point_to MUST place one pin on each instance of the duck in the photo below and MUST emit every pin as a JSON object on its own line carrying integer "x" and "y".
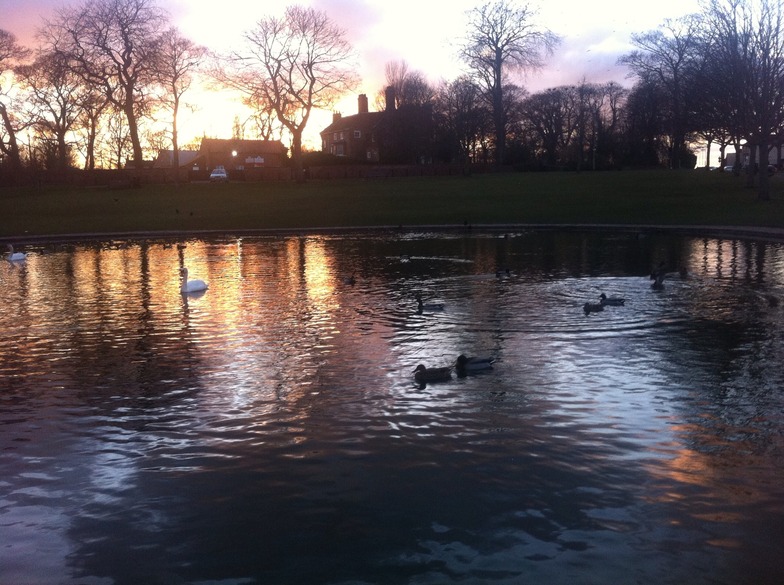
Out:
{"x": 592, "y": 308}
{"x": 15, "y": 256}
{"x": 425, "y": 374}
{"x": 657, "y": 276}
{"x": 473, "y": 364}
{"x": 421, "y": 306}
{"x": 611, "y": 301}
{"x": 190, "y": 286}
{"x": 350, "y": 280}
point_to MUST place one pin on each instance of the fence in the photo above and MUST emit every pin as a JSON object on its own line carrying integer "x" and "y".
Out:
{"x": 129, "y": 178}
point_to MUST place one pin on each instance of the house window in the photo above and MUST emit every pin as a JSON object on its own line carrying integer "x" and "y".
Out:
{"x": 342, "y": 136}
{"x": 357, "y": 133}
{"x": 335, "y": 136}
{"x": 370, "y": 155}
{"x": 337, "y": 150}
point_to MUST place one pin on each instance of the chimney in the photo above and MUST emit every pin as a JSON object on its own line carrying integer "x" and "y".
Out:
{"x": 336, "y": 116}
{"x": 363, "y": 104}
{"x": 390, "y": 98}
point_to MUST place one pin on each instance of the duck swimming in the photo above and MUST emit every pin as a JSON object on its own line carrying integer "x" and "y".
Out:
{"x": 657, "y": 276}
{"x": 611, "y": 301}
{"x": 421, "y": 307}
{"x": 473, "y": 364}
{"x": 424, "y": 374}
{"x": 592, "y": 308}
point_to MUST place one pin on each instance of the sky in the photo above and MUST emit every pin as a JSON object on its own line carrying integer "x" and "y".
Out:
{"x": 423, "y": 33}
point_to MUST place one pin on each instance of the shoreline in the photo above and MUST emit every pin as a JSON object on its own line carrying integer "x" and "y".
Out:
{"x": 715, "y": 231}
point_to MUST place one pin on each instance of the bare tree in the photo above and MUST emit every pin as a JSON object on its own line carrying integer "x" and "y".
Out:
{"x": 263, "y": 119}
{"x": 11, "y": 54}
{"x": 502, "y": 38}
{"x": 294, "y": 63}
{"x": 55, "y": 97}
{"x": 177, "y": 59}
{"x": 115, "y": 140}
{"x": 550, "y": 115}
{"x": 748, "y": 39}
{"x": 112, "y": 44}
{"x": 395, "y": 75}
{"x": 409, "y": 88}
{"x": 93, "y": 105}
{"x": 671, "y": 56}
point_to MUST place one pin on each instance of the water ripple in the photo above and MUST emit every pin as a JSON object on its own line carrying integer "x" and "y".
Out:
{"x": 270, "y": 430}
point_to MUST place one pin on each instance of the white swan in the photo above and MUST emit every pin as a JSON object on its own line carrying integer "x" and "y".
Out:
{"x": 15, "y": 256}
{"x": 190, "y": 286}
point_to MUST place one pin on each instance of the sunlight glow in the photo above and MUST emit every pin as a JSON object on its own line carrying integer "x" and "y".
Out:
{"x": 424, "y": 35}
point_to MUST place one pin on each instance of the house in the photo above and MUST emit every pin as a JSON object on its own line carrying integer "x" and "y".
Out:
{"x": 392, "y": 136}
{"x": 165, "y": 159}
{"x": 775, "y": 157}
{"x": 356, "y": 137}
{"x": 239, "y": 155}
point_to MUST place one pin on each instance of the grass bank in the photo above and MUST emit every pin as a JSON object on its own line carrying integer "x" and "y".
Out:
{"x": 624, "y": 197}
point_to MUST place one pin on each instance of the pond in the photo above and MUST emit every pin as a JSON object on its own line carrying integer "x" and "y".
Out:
{"x": 270, "y": 430}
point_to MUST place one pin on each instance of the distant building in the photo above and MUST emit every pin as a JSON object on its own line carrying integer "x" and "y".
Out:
{"x": 239, "y": 155}
{"x": 392, "y": 136}
{"x": 775, "y": 157}
{"x": 146, "y": 164}
{"x": 165, "y": 159}
{"x": 357, "y": 137}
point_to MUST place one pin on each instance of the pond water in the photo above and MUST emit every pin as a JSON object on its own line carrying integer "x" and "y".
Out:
{"x": 270, "y": 430}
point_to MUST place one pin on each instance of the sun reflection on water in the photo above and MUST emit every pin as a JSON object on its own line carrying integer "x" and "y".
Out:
{"x": 149, "y": 420}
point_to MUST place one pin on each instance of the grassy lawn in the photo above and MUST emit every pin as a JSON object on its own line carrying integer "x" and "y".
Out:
{"x": 632, "y": 197}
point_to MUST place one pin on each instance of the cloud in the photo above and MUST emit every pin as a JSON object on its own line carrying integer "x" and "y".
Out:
{"x": 23, "y": 19}
{"x": 357, "y": 17}
{"x": 592, "y": 56}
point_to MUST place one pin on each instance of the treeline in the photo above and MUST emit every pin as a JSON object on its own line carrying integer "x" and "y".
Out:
{"x": 101, "y": 71}
{"x": 106, "y": 74}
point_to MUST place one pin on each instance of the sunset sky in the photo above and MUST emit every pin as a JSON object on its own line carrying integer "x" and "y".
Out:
{"x": 423, "y": 33}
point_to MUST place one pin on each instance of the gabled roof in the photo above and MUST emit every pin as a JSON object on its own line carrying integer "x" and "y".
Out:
{"x": 364, "y": 121}
{"x": 243, "y": 146}
{"x": 165, "y": 158}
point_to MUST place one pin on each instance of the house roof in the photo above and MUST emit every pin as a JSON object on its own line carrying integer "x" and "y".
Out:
{"x": 242, "y": 146}
{"x": 364, "y": 121}
{"x": 165, "y": 158}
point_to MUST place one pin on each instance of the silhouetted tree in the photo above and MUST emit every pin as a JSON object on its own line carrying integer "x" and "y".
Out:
{"x": 293, "y": 63}
{"x": 747, "y": 42}
{"x": 502, "y": 38}
{"x": 463, "y": 121}
{"x": 408, "y": 88}
{"x": 93, "y": 105}
{"x": 112, "y": 44}
{"x": 55, "y": 98}
{"x": 671, "y": 57}
{"x": 176, "y": 60}
{"x": 551, "y": 116}
{"x": 11, "y": 54}
{"x": 644, "y": 125}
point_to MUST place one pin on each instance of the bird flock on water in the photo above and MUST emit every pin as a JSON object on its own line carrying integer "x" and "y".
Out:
{"x": 463, "y": 365}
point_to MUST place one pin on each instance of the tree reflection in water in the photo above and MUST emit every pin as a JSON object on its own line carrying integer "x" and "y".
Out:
{"x": 270, "y": 430}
